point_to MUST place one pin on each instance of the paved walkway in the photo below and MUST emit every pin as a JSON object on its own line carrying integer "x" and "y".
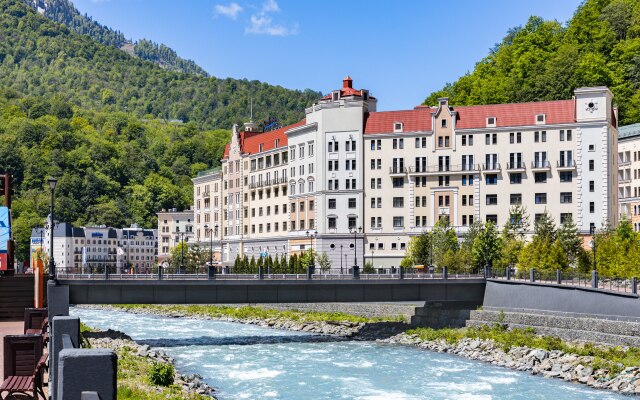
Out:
{"x": 8, "y": 328}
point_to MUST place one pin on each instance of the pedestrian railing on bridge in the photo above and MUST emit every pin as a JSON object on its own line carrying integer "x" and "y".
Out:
{"x": 178, "y": 274}
{"x": 591, "y": 280}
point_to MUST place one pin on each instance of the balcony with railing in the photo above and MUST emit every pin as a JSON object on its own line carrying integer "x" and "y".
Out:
{"x": 492, "y": 167}
{"x": 565, "y": 165}
{"x": 270, "y": 182}
{"x": 206, "y": 194}
{"x": 539, "y": 166}
{"x": 442, "y": 169}
{"x": 396, "y": 170}
{"x": 517, "y": 166}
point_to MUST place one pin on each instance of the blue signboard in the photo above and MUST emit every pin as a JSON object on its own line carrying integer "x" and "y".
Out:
{"x": 96, "y": 234}
{"x": 5, "y": 228}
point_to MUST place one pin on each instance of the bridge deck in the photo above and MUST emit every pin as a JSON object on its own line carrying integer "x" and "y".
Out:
{"x": 223, "y": 291}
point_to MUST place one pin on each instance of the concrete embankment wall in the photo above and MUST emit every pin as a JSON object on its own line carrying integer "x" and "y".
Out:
{"x": 560, "y": 298}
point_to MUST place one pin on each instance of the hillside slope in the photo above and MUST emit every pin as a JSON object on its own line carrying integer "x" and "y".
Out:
{"x": 545, "y": 60}
{"x": 41, "y": 57}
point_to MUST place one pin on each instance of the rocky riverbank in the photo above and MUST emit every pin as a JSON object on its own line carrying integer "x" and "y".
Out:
{"x": 550, "y": 364}
{"x": 192, "y": 386}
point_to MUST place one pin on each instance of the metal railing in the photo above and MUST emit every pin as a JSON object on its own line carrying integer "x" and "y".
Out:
{"x": 545, "y": 164}
{"x": 571, "y": 278}
{"x": 224, "y": 273}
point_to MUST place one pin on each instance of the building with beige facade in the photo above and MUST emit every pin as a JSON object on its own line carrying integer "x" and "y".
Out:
{"x": 629, "y": 173}
{"x": 174, "y": 227}
{"x": 357, "y": 183}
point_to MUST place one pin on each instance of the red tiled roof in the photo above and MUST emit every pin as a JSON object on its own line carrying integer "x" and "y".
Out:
{"x": 251, "y": 142}
{"x": 416, "y": 120}
{"x": 226, "y": 151}
{"x": 469, "y": 117}
{"x": 516, "y": 114}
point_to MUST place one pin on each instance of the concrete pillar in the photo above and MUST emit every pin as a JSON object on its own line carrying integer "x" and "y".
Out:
{"x": 211, "y": 272}
{"x": 60, "y": 326}
{"x": 508, "y": 273}
{"x": 400, "y": 272}
{"x": 634, "y": 285}
{"x": 558, "y": 277}
{"x": 532, "y": 274}
{"x": 261, "y": 272}
{"x": 160, "y": 272}
{"x": 445, "y": 273}
{"x": 594, "y": 279}
{"x": 57, "y": 299}
{"x": 356, "y": 272}
{"x": 81, "y": 370}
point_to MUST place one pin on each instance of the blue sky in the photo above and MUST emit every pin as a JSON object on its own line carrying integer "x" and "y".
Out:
{"x": 400, "y": 50}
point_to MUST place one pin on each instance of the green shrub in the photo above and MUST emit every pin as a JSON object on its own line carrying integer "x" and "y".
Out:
{"x": 161, "y": 374}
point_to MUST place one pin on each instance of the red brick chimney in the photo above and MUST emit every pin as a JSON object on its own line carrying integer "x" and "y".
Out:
{"x": 347, "y": 82}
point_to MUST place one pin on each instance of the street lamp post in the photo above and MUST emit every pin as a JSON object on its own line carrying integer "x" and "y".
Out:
{"x": 340, "y": 259}
{"x": 311, "y": 267}
{"x": 212, "y": 270}
{"x": 592, "y": 231}
{"x": 181, "y": 253}
{"x": 356, "y": 271}
{"x": 52, "y": 265}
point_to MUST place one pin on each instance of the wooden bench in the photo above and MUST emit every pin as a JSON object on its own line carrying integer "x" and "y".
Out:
{"x": 36, "y": 322}
{"x": 23, "y": 367}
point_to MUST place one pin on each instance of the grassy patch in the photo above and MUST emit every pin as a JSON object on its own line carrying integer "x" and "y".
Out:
{"x": 613, "y": 359}
{"x": 249, "y": 312}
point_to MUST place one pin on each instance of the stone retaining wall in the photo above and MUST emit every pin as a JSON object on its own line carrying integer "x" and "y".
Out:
{"x": 369, "y": 310}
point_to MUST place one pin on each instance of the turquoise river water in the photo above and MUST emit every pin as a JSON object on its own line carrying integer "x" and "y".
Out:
{"x": 250, "y": 362}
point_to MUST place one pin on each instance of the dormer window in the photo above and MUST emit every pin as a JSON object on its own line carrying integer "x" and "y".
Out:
{"x": 398, "y": 126}
{"x": 443, "y": 123}
{"x": 277, "y": 143}
{"x": 540, "y": 118}
{"x": 491, "y": 122}
{"x": 365, "y": 95}
{"x": 336, "y": 95}
{"x": 443, "y": 102}
{"x": 260, "y": 147}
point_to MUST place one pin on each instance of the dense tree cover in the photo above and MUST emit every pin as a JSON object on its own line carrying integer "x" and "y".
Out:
{"x": 39, "y": 57}
{"x": 112, "y": 168}
{"x": 550, "y": 248}
{"x": 618, "y": 251}
{"x": 64, "y": 12}
{"x": 545, "y": 60}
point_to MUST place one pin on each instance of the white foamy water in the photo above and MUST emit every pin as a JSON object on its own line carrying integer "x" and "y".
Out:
{"x": 250, "y": 362}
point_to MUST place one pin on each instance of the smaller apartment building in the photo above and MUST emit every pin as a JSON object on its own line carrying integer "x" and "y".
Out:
{"x": 173, "y": 227}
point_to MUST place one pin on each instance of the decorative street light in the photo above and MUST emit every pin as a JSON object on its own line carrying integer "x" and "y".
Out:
{"x": 592, "y": 231}
{"x": 312, "y": 266}
{"x": 212, "y": 270}
{"x": 52, "y": 265}
{"x": 356, "y": 272}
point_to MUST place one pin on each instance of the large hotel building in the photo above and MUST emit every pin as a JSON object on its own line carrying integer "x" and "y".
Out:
{"x": 393, "y": 174}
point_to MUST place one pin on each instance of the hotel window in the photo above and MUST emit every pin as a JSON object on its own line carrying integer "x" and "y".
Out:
{"x": 540, "y": 177}
{"x": 470, "y": 140}
{"x": 566, "y": 197}
{"x": 592, "y": 185}
{"x": 373, "y": 202}
{"x": 398, "y": 222}
{"x": 491, "y": 179}
{"x": 352, "y": 202}
{"x": 398, "y": 202}
{"x": 492, "y": 199}
{"x": 332, "y": 222}
{"x": 351, "y": 223}
{"x": 515, "y": 179}
{"x": 487, "y": 138}
{"x": 541, "y": 198}
{"x": 443, "y": 123}
{"x": 491, "y": 218}
{"x": 566, "y": 176}
{"x": 398, "y": 182}
{"x": 592, "y": 207}
{"x": 332, "y": 204}
{"x": 515, "y": 198}
{"x": 565, "y": 217}
{"x": 464, "y": 200}
{"x": 379, "y": 202}
{"x": 591, "y": 165}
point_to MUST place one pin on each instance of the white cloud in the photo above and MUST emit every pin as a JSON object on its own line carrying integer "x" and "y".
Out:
{"x": 261, "y": 22}
{"x": 231, "y": 11}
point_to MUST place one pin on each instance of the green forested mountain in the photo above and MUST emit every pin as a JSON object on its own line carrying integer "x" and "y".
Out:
{"x": 64, "y": 12}
{"x": 95, "y": 118}
{"x": 39, "y": 57}
{"x": 545, "y": 60}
